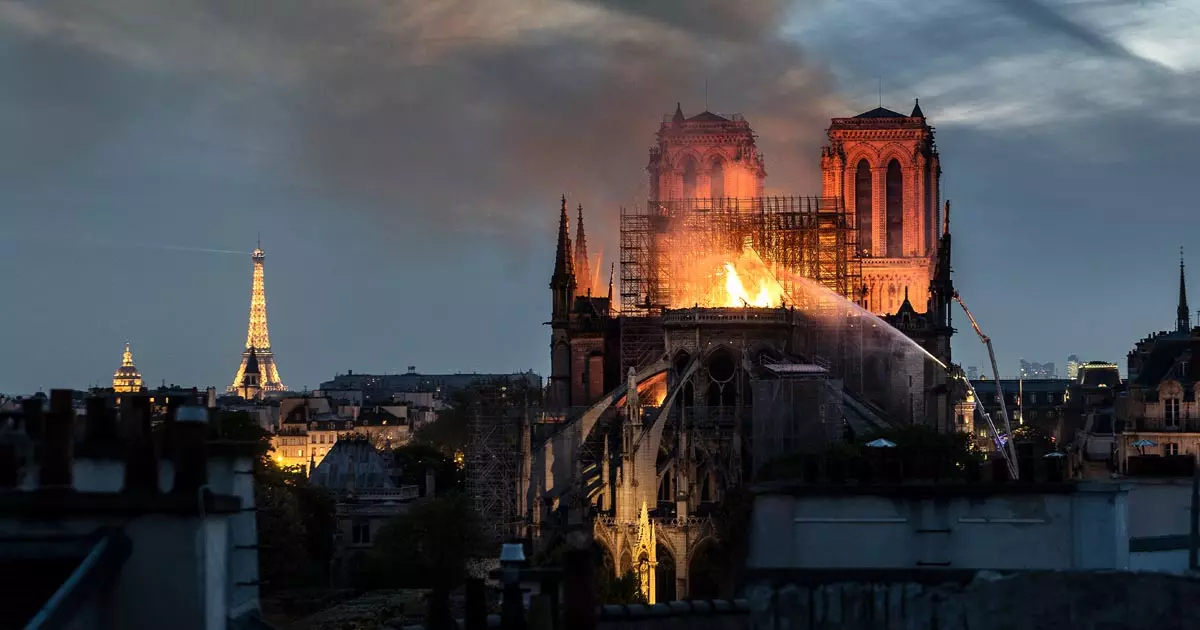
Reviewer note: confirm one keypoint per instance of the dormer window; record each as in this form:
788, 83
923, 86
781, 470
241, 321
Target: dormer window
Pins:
1171, 413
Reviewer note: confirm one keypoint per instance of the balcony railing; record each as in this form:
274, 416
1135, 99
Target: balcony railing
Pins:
1160, 425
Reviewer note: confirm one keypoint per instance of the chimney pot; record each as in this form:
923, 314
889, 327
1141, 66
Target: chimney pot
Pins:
188, 440
99, 425
31, 412
58, 441
141, 460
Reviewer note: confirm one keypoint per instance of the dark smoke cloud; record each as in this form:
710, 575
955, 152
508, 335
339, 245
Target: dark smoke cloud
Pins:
479, 114
739, 21
1040, 14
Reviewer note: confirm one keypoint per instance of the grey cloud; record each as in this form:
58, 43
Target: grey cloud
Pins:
1041, 14
458, 112
720, 18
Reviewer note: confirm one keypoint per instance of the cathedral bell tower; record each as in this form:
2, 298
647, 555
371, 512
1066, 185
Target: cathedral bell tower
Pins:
562, 290
885, 168
706, 156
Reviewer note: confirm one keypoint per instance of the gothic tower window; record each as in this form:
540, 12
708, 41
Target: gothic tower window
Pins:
689, 178
716, 176
862, 206
931, 227
895, 210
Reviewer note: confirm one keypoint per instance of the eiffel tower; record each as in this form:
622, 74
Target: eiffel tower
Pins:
258, 340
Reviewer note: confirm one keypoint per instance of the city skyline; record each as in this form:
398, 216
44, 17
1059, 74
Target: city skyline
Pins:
378, 264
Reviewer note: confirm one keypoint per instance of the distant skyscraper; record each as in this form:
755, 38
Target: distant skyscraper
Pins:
1037, 371
127, 379
1073, 364
258, 340
972, 373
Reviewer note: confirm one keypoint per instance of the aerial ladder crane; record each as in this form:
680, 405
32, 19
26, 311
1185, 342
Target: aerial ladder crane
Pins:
1004, 444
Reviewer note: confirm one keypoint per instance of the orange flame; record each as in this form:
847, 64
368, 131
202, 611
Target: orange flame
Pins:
731, 281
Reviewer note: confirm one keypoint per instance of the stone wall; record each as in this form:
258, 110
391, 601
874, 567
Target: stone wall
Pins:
975, 526
953, 600
680, 615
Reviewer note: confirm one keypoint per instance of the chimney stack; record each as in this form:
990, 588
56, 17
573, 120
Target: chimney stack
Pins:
141, 461
31, 412
58, 441
100, 426
10, 461
188, 439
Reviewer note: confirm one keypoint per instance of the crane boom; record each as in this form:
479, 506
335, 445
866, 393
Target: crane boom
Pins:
1007, 450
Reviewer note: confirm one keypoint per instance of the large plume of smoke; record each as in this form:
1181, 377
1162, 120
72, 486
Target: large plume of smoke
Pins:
460, 114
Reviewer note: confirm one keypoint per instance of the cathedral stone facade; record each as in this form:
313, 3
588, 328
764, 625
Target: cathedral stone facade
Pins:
885, 167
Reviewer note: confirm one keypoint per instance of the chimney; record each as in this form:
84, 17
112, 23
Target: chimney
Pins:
429, 483
211, 394
58, 441
100, 426
168, 426
188, 439
141, 461
10, 462
31, 411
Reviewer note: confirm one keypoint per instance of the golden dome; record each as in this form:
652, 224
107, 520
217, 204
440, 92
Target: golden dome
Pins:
127, 378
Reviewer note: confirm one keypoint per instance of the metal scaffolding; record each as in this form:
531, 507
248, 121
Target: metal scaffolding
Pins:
809, 237
496, 428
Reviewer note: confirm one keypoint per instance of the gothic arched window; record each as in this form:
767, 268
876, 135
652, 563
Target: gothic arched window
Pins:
895, 210
689, 178
862, 206
716, 178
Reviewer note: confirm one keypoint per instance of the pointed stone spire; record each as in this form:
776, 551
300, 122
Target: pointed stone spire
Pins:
562, 283
583, 276
946, 219
562, 258
916, 112
678, 113
1183, 321
611, 270
252, 363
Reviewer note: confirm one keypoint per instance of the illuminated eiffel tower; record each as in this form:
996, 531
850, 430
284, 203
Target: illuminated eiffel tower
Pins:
258, 339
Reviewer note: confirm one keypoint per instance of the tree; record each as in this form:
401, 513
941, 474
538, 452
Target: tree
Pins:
1029, 434
414, 459
427, 547
618, 590
923, 452
450, 432
295, 519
